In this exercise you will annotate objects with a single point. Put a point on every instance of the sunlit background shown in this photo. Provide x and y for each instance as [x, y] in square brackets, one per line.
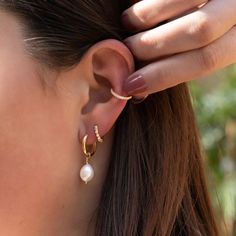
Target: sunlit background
[214, 100]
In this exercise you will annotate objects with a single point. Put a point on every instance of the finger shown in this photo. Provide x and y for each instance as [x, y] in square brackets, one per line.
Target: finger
[189, 32]
[183, 67]
[145, 14]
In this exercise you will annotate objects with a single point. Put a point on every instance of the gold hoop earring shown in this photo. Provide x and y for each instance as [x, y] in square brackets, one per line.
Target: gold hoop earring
[120, 96]
[95, 128]
[87, 172]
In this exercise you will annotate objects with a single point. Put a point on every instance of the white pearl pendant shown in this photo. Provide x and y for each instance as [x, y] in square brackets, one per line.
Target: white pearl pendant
[86, 173]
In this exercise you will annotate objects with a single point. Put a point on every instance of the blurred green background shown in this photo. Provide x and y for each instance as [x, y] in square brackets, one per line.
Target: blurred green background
[214, 100]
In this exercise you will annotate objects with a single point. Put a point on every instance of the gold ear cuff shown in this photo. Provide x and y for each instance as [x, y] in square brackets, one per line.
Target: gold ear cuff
[120, 96]
[135, 100]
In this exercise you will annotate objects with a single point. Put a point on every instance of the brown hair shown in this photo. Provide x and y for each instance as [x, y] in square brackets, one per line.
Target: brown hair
[155, 184]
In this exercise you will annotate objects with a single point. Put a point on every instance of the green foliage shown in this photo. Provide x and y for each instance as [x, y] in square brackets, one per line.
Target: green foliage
[214, 100]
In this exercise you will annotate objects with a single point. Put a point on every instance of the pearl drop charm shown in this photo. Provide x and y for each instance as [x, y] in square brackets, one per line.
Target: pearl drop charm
[86, 173]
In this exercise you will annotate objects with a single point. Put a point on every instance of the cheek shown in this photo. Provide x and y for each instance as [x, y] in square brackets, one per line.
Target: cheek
[36, 143]
[23, 109]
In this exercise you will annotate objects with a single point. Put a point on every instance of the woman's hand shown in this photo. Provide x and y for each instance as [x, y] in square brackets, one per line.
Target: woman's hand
[199, 38]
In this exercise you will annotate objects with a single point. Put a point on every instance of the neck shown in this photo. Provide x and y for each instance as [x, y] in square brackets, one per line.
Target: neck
[89, 194]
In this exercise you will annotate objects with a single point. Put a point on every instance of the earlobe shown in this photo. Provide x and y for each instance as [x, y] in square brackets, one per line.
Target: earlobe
[111, 63]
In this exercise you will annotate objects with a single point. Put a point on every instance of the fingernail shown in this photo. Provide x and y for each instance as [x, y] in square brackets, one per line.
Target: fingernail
[125, 19]
[135, 84]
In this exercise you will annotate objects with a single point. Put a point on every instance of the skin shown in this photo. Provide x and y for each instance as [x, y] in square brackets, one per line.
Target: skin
[41, 130]
[198, 39]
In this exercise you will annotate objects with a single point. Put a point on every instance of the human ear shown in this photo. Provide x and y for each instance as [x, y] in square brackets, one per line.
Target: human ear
[108, 63]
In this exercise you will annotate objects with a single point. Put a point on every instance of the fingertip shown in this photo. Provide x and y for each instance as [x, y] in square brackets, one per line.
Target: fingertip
[127, 43]
[127, 23]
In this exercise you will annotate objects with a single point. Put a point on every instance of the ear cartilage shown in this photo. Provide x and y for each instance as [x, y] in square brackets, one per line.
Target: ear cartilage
[100, 140]
[120, 96]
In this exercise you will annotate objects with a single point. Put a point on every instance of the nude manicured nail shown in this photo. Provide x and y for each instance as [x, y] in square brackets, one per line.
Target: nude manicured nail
[135, 84]
[125, 19]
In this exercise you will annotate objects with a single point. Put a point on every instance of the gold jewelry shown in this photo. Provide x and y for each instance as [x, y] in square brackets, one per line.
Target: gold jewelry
[95, 128]
[120, 96]
[87, 172]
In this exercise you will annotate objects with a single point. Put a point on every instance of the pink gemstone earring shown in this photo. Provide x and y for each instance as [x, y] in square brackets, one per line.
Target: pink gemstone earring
[95, 128]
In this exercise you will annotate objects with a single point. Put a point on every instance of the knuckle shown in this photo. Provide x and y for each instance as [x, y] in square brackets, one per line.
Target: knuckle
[199, 2]
[145, 47]
[208, 58]
[165, 78]
[201, 31]
[142, 14]
[162, 77]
